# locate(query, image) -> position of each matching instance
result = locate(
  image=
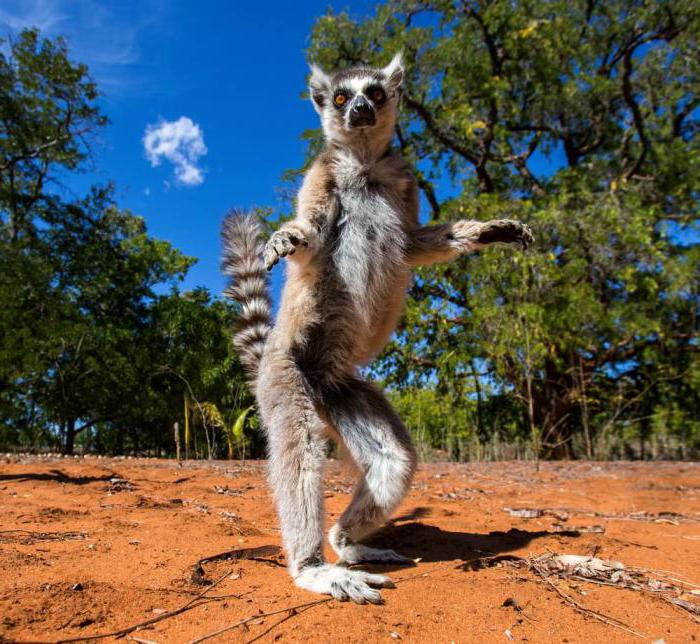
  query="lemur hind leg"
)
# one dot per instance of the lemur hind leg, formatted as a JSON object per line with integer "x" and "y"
{"x": 296, "y": 457}
{"x": 380, "y": 445}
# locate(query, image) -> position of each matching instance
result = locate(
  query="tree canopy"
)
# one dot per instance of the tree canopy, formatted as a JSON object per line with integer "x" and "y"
{"x": 89, "y": 340}
{"x": 580, "y": 118}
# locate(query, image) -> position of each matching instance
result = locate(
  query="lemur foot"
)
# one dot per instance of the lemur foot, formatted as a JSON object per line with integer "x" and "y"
{"x": 343, "y": 584}
{"x": 506, "y": 231}
{"x": 283, "y": 242}
{"x": 357, "y": 553}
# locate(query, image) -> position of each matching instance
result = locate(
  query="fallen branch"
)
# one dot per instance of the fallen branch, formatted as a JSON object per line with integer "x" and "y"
{"x": 33, "y": 537}
{"x": 601, "y": 572}
{"x": 237, "y": 554}
{"x": 610, "y": 621}
{"x": 616, "y": 574}
{"x": 292, "y": 610}
{"x": 276, "y": 624}
{"x": 563, "y": 514}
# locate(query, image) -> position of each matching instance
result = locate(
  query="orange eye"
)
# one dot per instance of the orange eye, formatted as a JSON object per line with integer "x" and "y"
{"x": 378, "y": 95}
{"x": 340, "y": 99}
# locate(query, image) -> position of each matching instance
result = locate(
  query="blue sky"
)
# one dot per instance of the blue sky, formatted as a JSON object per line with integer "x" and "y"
{"x": 235, "y": 70}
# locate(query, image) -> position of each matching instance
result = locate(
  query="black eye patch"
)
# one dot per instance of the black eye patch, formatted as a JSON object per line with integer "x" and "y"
{"x": 376, "y": 94}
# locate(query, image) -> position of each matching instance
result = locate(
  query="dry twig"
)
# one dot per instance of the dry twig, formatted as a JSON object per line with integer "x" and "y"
{"x": 610, "y": 621}
{"x": 236, "y": 554}
{"x": 33, "y": 537}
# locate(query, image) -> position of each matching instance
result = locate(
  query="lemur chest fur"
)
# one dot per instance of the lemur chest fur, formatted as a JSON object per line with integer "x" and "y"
{"x": 368, "y": 238}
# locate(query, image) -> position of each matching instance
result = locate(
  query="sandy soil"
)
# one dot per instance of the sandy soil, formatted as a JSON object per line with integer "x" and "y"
{"x": 89, "y": 546}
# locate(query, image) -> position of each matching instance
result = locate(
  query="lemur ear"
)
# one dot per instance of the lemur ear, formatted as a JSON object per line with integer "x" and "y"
{"x": 394, "y": 72}
{"x": 319, "y": 86}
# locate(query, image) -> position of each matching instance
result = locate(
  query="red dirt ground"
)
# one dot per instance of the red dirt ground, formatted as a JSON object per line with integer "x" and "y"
{"x": 132, "y": 543}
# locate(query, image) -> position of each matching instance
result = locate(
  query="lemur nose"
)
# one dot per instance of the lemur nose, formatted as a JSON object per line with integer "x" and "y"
{"x": 361, "y": 106}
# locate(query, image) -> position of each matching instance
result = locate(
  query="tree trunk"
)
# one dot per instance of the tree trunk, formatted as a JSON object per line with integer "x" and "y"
{"x": 176, "y": 431}
{"x": 70, "y": 437}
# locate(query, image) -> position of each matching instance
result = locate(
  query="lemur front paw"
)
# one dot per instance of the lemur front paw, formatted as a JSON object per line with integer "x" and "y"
{"x": 505, "y": 231}
{"x": 343, "y": 584}
{"x": 283, "y": 242}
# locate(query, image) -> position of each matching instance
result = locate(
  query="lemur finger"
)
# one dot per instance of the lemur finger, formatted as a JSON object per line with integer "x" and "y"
{"x": 281, "y": 245}
{"x": 338, "y": 592}
{"x": 357, "y": 592}
{"x": 287, "y": 243}
{"x": 373, "y": 596}
{"x": 361, "y": 593}
{"x": 270, "y": 257}
{"x": 297, "y": 238}
{"x": 379, "y": 581}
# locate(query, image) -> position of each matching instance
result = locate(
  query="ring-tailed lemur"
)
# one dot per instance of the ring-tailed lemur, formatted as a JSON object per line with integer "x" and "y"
{"x": 351, "y": 249}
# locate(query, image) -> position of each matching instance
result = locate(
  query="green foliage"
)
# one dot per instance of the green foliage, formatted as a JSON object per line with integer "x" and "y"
{"x": 592, "y": 339}
{"x": 235, "y": 433}
{"x": 586, "y": 346}
{"x": 89, "y": 348}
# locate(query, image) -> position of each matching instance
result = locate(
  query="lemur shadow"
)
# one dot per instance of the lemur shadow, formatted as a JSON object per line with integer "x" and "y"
{"x": 432, "y": 544}
{"x": 57, "y": 476}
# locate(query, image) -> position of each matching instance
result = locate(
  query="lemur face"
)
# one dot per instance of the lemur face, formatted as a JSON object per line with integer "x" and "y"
{"x": 357, "y": 101}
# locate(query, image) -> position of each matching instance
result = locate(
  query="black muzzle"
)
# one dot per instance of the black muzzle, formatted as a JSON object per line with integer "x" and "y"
{"x": 361, "y": 113}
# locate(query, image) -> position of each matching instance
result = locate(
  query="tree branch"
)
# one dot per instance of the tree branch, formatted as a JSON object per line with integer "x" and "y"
{"x": 423, "y": 183}
{"x": 628, "y": 94}
{"x": 448, "y": 140}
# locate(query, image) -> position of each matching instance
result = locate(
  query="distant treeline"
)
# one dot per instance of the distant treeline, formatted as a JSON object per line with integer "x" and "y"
{"x": 579, "y": 118}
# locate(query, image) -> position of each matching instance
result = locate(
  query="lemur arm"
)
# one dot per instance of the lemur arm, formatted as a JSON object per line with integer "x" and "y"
{"x": 443, "y": 242}
{"x": 303, "y": 233}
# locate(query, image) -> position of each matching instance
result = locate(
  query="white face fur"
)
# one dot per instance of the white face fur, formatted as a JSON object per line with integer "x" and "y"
{"x": 358, "y": 104}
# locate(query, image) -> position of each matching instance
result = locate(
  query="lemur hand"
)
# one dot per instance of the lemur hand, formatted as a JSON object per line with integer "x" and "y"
{"x": 476, "y": 234}
{"x": 283, "y": 242}
{"x": 506, "y": 231}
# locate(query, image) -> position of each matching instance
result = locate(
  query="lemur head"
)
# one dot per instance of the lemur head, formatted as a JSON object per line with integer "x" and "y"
{"x": 357, "y": 103}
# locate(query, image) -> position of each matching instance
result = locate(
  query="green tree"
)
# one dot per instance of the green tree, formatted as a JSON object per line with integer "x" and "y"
{"x": 80, "y": 325}
{"x": 580, "y": 118}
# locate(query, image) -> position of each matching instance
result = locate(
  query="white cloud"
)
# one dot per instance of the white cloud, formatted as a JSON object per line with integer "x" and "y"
{"x": 182, "y": 143}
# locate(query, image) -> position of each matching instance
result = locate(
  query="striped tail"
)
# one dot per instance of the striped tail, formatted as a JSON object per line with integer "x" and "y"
{"x": 248, "y": 285}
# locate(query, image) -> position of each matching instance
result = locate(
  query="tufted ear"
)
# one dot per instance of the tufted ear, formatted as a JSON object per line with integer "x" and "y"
{"x": 394, "y": 72}
{"x": 319, "y": 87}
